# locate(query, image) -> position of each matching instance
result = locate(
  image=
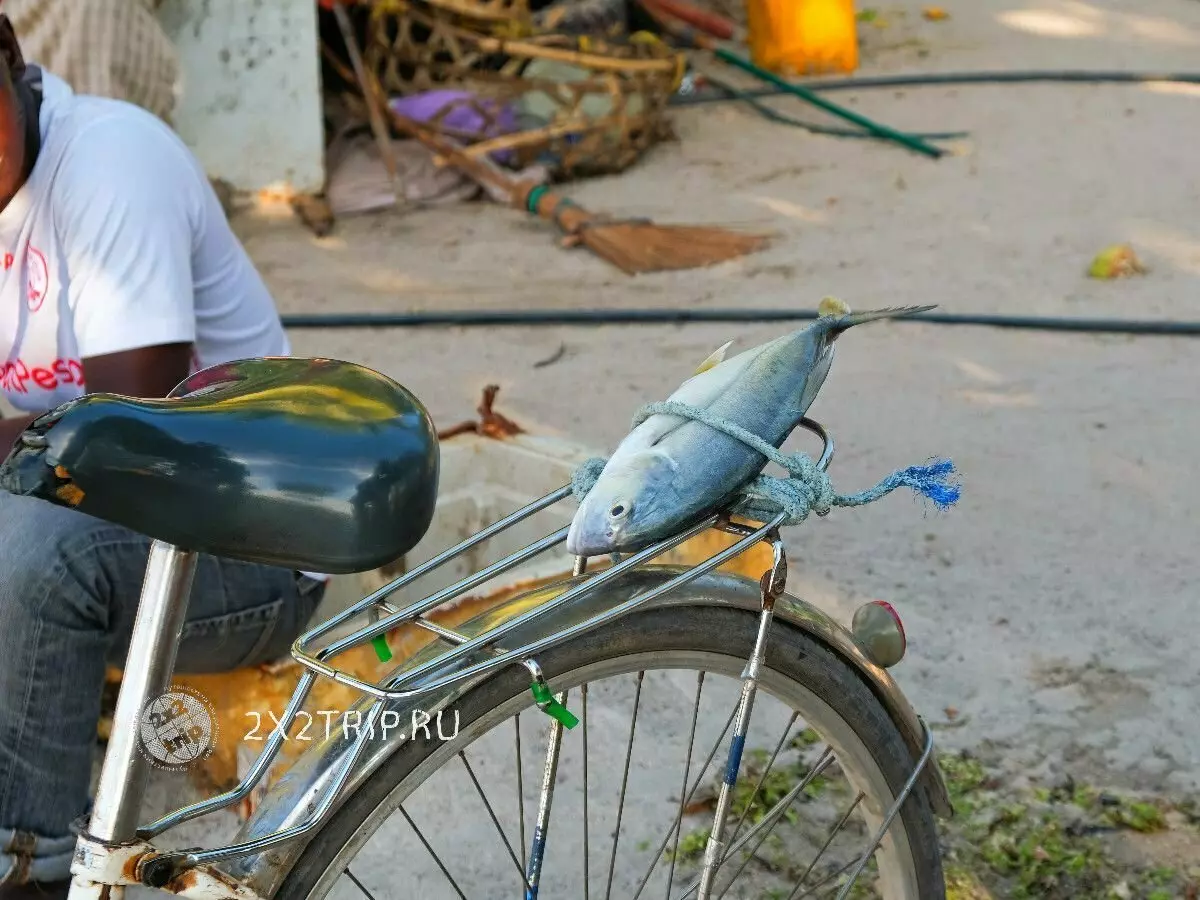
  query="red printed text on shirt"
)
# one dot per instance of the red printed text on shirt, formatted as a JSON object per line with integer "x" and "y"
{"x": 17, "y": 378}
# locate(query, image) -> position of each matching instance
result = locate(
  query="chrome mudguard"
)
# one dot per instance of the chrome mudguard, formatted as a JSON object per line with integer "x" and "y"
{"x": 294, "y": 796}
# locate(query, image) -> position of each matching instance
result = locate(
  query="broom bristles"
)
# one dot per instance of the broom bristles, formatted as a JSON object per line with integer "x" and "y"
{"x": 635, "y": 247}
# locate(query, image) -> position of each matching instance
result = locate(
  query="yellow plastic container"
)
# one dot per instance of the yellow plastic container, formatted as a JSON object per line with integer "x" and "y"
{"x": 803, "y": 37}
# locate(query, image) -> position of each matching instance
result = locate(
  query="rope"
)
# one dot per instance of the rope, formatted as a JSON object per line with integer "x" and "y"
{"x": 807, "y": 489}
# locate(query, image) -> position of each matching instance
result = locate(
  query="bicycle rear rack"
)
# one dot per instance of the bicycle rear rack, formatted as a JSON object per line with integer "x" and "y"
{"x": 403, "y": 684}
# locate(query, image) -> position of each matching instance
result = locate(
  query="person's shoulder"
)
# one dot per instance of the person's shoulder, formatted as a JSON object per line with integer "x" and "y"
{"x": 92, "y": 137}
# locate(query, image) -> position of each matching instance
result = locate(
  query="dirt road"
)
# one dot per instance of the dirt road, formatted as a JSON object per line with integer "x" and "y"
{"x": 1055, "y": 608}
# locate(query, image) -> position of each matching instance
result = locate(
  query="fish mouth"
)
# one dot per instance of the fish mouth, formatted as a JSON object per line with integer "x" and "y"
{"x": 583, "y": 539}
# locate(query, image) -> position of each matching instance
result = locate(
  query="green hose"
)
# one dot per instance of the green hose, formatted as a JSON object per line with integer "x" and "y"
{"x": 942, "y": 79}
{"x": 882, "y": 131}
{"x": 775, "y": 116}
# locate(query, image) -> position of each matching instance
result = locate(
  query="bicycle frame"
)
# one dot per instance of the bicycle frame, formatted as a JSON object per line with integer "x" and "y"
{"x": 114, "y": 851}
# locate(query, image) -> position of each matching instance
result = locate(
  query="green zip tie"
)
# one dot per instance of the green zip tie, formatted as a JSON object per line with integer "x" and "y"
{"x": 382, "y": 650}
{"x": 551, "y": 707}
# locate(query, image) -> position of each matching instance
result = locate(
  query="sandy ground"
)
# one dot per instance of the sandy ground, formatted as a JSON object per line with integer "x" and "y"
{"x": 1055, "y": 607}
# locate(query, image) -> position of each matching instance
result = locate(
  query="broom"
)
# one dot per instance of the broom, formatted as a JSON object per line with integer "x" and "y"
{"x": 632, "y": 245}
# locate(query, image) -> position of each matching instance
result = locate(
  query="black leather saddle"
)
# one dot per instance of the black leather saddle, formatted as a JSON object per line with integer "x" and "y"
{"x": 309, "y": 464}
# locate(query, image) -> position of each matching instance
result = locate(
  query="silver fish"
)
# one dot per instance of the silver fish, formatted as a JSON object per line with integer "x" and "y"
{"x": 670, "y": 471}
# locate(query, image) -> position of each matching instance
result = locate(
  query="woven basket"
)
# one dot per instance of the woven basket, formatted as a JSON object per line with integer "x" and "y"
{"x": 583, "y": 105}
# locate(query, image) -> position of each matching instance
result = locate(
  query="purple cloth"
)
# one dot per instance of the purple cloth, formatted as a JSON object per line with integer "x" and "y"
{"x": 462, "y": 117}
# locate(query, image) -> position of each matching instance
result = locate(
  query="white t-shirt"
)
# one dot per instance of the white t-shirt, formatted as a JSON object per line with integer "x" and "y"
{"x": 117, "y": 242}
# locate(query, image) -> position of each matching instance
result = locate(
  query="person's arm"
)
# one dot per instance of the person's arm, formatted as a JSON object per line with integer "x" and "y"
{"x": 10, "y": 430}
{"x": 128, "y": 240}
{"x": 146, "y": 372}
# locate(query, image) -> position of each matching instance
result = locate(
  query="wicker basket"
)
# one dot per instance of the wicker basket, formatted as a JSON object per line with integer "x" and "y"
{"x": 583, "y": 105}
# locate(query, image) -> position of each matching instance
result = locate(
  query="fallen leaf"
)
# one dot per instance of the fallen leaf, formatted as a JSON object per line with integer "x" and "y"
{"x": 934, "y": 13}
{"x": 1117, "y": 261}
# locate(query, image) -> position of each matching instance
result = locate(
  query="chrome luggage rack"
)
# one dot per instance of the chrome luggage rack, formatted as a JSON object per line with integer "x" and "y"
{"x": 411, "y": 683}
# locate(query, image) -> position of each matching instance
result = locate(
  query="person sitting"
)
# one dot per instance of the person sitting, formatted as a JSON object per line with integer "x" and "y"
{"x": 118, "y": 273}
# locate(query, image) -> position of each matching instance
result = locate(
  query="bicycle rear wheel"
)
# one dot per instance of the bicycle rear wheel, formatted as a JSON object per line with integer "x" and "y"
{"x": 442, "y": 818}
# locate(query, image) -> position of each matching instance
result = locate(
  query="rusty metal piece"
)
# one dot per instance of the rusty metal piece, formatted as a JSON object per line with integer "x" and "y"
{"x": 491, "y": 423}
{"x": 456, "y": 430}
{"x": 131, "y": 871}
{"x": 97, "y": 865}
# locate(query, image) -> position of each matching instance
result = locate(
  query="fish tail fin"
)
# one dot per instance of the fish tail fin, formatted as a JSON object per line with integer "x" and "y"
{"x": 892, "y": 312}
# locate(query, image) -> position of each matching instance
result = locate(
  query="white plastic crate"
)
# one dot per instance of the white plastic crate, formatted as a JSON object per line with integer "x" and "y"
{"x": 482, "y": 480}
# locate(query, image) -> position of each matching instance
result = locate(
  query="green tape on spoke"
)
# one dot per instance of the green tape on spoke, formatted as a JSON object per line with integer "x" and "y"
{"x": 382, "y": 650}
{"x": 551, "y": 707}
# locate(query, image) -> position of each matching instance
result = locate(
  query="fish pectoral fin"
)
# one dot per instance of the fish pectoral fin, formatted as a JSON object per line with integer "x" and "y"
{"x": 652, "y": 459}
{"x": 714, "y": 359}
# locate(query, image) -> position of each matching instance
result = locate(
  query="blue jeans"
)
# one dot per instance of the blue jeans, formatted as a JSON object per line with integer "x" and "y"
{"x": 69, "y": 587}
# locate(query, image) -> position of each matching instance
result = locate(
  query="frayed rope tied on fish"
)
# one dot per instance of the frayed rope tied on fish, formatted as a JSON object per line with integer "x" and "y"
{"x": 806, "y": 490}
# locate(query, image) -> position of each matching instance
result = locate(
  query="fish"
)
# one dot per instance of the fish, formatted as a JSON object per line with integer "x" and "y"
{"x": 670, "y": 471}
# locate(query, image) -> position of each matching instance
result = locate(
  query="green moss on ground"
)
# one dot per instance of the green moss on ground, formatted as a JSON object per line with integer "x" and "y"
{"x": 1005, "y": 843}
{"x": 1049, "y": 844}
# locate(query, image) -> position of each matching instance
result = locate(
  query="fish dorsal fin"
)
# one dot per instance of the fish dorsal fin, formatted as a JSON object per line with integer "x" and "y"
{"x": 714, "y": 359}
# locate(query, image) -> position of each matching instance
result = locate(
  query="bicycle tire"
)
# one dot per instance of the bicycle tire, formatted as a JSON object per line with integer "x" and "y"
{"x": 792, "y": 655}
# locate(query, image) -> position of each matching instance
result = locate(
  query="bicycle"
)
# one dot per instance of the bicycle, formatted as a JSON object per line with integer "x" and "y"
{"x": 327, "y": 466}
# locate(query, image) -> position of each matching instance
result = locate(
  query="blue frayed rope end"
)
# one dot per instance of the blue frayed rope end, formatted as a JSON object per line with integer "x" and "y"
{"x": 807, "y": 489}
{"x": 938, "y": 481}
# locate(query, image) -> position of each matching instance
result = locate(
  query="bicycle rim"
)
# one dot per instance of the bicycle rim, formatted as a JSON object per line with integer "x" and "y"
{"x": 450, "y": 806}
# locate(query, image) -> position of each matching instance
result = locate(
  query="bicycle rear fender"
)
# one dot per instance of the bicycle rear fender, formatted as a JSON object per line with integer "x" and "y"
{"x": 295, "y": 795}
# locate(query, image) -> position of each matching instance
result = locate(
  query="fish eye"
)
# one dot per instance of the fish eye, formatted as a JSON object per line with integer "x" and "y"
{"x": 617, "y": 511}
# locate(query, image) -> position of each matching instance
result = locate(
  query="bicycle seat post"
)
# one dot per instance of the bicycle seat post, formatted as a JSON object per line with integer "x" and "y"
{"x": 148, "y": 669}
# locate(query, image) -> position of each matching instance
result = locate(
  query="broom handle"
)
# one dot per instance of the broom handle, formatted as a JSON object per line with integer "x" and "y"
{"x": 708, "y": 22}
{"x": 883, "y": 131}
{"x": 372, "y": 99}
{"x": 482, "y": 170}
{"x": 479, "y": 169}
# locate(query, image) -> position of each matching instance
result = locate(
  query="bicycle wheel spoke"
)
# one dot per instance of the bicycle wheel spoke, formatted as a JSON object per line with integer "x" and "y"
{"x": 687, "y": 768}
{"x": 763, "y": 778}
{"x": 587, "y": 847}
{"x": 492, "y": 815}
{"x": 691, "y": 793}
{"x": 437, "y": 859}
{"x": 773, "y": 815}
{"x": 612, "y": 862}
{"x": 520, "y": 792}
{"x": 841, "y": 823}
{"x": 362, "y": 887}
{"x": 541, "y": 825}
{"x": 824, "y": 882}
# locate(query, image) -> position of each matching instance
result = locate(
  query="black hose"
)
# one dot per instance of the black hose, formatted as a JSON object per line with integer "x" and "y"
{"x": 492, "y": 318}
{"x": 932, "y": 79}
{"x": 540, "y": 317}
{"x": 832, "y": 130}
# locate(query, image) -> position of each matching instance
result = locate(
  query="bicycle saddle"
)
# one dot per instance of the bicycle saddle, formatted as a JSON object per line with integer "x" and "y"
{"x": 309, "y": 464}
